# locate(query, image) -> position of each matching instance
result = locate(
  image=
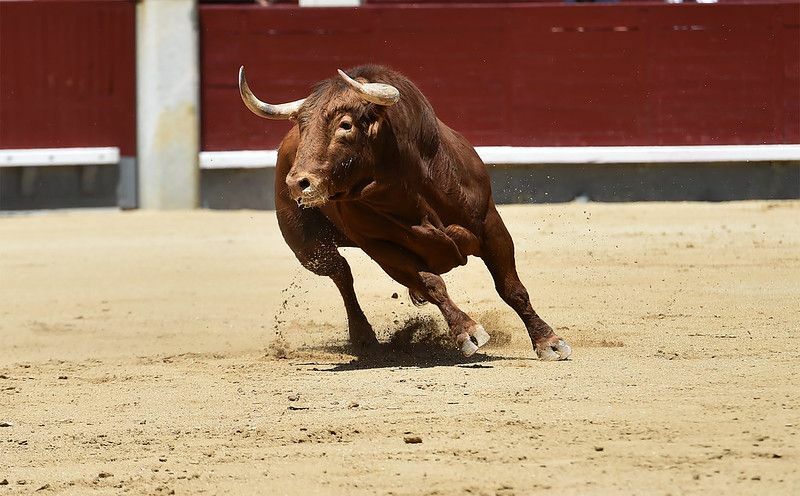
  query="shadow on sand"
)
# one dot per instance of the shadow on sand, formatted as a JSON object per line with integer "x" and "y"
{"x": 418, "y": 343}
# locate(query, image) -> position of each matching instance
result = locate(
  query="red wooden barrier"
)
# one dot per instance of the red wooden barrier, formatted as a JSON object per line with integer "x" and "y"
{"x": 67, "y": 74}
{"x": 517, "y": 74}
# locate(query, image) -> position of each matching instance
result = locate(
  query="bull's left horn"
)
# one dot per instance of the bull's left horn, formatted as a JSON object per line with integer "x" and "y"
{"x": 380, "y": 93}
{"x": 280, "y": 112}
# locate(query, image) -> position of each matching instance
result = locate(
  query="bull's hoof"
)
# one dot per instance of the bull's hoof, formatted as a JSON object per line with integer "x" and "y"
{"x": 479, "y": 335}
{"x": 468, "y": 348}
{"x": 364, "y": 346}
{"x": 362, "y": 338}
{"x": 552, "y": 350}
{"x": 473, "y": 339}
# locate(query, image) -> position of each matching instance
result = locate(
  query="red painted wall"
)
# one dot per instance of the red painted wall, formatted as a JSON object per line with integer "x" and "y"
{"x": 525, "y": 74}
{"x": 67, "y": 74}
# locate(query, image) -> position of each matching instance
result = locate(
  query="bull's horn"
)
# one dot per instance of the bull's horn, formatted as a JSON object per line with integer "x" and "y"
{"x": 280, "y": 112}
{"x": 382, "y": 94}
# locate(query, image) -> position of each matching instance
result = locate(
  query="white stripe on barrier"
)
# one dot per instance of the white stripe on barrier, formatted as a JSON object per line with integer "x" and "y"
{"x": 491, "y": 155}
{"x": 637, "y": 154}
{"x": 43, "y": 157}
{"x": 515, "y": 155}
{"x": 246, "y": 159}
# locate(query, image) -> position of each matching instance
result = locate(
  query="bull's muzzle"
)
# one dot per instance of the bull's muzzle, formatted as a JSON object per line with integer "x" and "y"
{"x": 307, "y": 191}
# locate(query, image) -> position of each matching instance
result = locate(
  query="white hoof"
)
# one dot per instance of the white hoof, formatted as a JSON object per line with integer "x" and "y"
{"x": 564, "y": 349}
{"x": 546, "y": 354}
{"x": 559, "y": 351}
{"x": 481, "y": 336}
{"x": 468, "y": 348}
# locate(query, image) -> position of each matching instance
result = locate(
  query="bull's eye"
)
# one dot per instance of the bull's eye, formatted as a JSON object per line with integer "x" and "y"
{"x": 345, "y": 125}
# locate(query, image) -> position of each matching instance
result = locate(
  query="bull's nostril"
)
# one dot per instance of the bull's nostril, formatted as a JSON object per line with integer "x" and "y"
{"x": 304, "y": 183}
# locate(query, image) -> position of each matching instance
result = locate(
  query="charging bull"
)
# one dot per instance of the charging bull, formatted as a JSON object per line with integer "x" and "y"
{"x": 368, "y": 164}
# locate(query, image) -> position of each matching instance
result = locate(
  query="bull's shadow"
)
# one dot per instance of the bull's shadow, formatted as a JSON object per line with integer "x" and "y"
{"x": 418, "y": 343}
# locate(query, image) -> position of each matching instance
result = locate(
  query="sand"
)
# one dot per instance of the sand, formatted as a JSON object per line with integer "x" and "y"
{"x": 189, "y": 353}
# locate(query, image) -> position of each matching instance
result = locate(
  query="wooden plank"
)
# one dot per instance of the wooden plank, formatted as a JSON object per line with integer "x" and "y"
{"x": 68, "y": 74}
{"x": 524, "y": 74}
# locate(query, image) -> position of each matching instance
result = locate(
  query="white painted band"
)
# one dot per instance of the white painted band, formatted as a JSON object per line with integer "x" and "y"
{"x": 245, "y": 159}
{"x": 43, "y": 157}
{"x": 491, "y": 155}
{"x": 329, "y": 3}
{"x": 637, "y": 154}
{"x": 514, "y": 155}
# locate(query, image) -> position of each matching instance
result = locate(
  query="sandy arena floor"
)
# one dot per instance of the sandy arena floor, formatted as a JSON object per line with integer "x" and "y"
{"x": 188, "y": 353}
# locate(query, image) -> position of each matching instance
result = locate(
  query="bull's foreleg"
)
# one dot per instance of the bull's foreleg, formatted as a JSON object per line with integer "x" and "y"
{"x": 314, "y": 242}
{"x": 498, "y": 254}
{"x": 329, "y": 262}
{"x": 408, "y": 271}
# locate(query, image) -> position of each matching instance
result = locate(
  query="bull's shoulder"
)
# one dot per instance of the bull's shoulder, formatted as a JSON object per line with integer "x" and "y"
{"x": 290, "y": 142}
{"x": 287, "y": 150}
{"x": 459, "y": 149}
{"x": 459, "y": 181}
{"x": 286, "y": 153}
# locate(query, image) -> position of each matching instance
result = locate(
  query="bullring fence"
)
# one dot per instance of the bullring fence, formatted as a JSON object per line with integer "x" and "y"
{"x": 116, "y": 101}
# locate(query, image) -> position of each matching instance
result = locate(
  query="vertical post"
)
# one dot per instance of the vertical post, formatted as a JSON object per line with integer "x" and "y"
{"x": 167, "y": 89}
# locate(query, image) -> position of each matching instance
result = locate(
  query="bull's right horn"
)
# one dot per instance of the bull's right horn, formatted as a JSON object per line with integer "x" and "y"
{"x": 380, "y": 93}
{"x": 280, "y": 112}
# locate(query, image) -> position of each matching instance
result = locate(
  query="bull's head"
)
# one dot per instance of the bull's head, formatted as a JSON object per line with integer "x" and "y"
{"x": 338, "y": 124}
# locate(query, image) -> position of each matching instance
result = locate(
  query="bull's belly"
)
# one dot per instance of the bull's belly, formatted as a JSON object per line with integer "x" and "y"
{"x": 439, "y": 252}
{"x": 439, "y": 249}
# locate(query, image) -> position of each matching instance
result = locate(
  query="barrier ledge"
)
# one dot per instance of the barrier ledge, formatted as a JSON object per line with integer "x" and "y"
{"x": 491, "y": 155}
{"x": 515, "y": 155}
{"x": 46, "y": 157}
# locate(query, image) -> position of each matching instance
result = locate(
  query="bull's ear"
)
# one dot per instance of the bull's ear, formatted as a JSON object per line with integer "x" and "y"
{"x": 375, "y": 127}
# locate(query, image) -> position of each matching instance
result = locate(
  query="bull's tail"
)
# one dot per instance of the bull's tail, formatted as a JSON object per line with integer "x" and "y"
{"x": 416, "y": 298}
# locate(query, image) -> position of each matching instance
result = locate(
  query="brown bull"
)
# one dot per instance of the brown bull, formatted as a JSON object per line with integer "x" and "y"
{"x": 369, "y": 165}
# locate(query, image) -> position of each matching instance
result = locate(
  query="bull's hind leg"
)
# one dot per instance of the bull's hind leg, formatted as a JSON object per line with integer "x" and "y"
{"x": 469, "y": 335}
{"x": 409, "y": 271}
{"x": 498, "y": 254}
{"x": 315, "y": 241}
